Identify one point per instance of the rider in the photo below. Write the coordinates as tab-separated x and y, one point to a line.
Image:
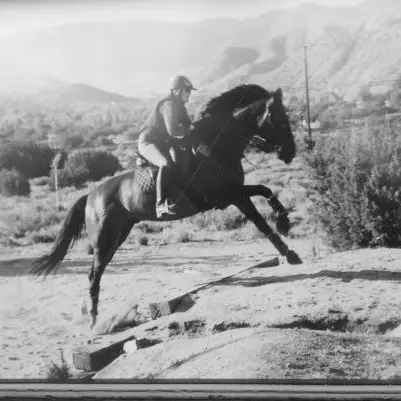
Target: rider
168	120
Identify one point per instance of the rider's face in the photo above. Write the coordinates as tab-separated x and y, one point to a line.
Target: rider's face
185	94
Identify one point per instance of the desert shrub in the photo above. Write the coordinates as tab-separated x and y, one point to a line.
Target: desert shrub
44	238
143	240
219	220
358	177
183	236
102	141
74	175
150	228
67	178
201	221
36	219
99	163
86	165
40	181
59	372
229	219
13	183
31	159
73	141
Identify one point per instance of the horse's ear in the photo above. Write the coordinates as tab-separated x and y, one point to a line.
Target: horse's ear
278	94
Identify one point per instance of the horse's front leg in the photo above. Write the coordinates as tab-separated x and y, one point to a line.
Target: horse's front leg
282	223
246	206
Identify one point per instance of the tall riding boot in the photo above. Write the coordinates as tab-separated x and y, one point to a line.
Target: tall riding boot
163	206
160	194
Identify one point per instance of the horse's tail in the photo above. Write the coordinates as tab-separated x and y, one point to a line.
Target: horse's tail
69	233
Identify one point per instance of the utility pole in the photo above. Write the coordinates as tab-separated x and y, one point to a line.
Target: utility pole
309	141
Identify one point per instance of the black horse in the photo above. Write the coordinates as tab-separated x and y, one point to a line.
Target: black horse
246	116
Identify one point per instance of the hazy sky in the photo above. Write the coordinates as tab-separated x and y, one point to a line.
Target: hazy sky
22	15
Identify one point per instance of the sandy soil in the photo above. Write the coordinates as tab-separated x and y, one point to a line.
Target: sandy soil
355	292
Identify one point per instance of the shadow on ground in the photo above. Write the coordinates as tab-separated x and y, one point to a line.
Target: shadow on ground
345	276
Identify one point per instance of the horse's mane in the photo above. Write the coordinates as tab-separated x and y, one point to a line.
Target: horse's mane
239	96
214	119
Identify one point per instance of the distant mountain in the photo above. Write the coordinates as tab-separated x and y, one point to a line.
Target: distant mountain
80	92
230	59
46	89
351	45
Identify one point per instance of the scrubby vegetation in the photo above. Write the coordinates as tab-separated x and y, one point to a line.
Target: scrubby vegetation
358	177
86	165
37	219
334	112
59	372
12	183
347	188
30	159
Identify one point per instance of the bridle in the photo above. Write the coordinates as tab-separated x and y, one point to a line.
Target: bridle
257	139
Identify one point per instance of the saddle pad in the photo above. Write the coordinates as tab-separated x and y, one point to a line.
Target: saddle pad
145	179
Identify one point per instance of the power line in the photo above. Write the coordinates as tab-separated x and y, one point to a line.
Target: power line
343	85
348	128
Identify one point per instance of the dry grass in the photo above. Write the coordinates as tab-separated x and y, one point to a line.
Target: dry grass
36	219
59	373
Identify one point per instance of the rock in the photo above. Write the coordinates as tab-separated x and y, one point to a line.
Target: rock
295	366
130	346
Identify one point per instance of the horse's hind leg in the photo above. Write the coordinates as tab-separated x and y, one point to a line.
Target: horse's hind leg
114	230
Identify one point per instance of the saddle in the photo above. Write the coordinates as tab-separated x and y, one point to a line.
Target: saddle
187	204
146	172
145	176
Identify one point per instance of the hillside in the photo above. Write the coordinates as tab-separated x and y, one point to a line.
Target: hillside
45	89
350	45
86	93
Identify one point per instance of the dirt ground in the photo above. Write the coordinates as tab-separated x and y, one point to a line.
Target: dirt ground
334	316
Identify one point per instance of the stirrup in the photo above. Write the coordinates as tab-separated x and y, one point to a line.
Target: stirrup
165	208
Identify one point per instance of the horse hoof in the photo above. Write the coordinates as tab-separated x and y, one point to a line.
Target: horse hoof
293	258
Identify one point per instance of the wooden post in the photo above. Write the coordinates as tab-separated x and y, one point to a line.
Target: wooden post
55	164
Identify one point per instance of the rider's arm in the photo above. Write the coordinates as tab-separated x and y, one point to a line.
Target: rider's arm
185	119
170	117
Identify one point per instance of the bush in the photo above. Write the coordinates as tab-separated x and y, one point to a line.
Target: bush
219	220
86	165
143	240
99	163
13	183
59	373
31	159
73	141
358	176
183	236
40	181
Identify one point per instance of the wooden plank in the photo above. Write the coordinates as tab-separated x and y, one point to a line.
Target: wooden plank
95	356
158	309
